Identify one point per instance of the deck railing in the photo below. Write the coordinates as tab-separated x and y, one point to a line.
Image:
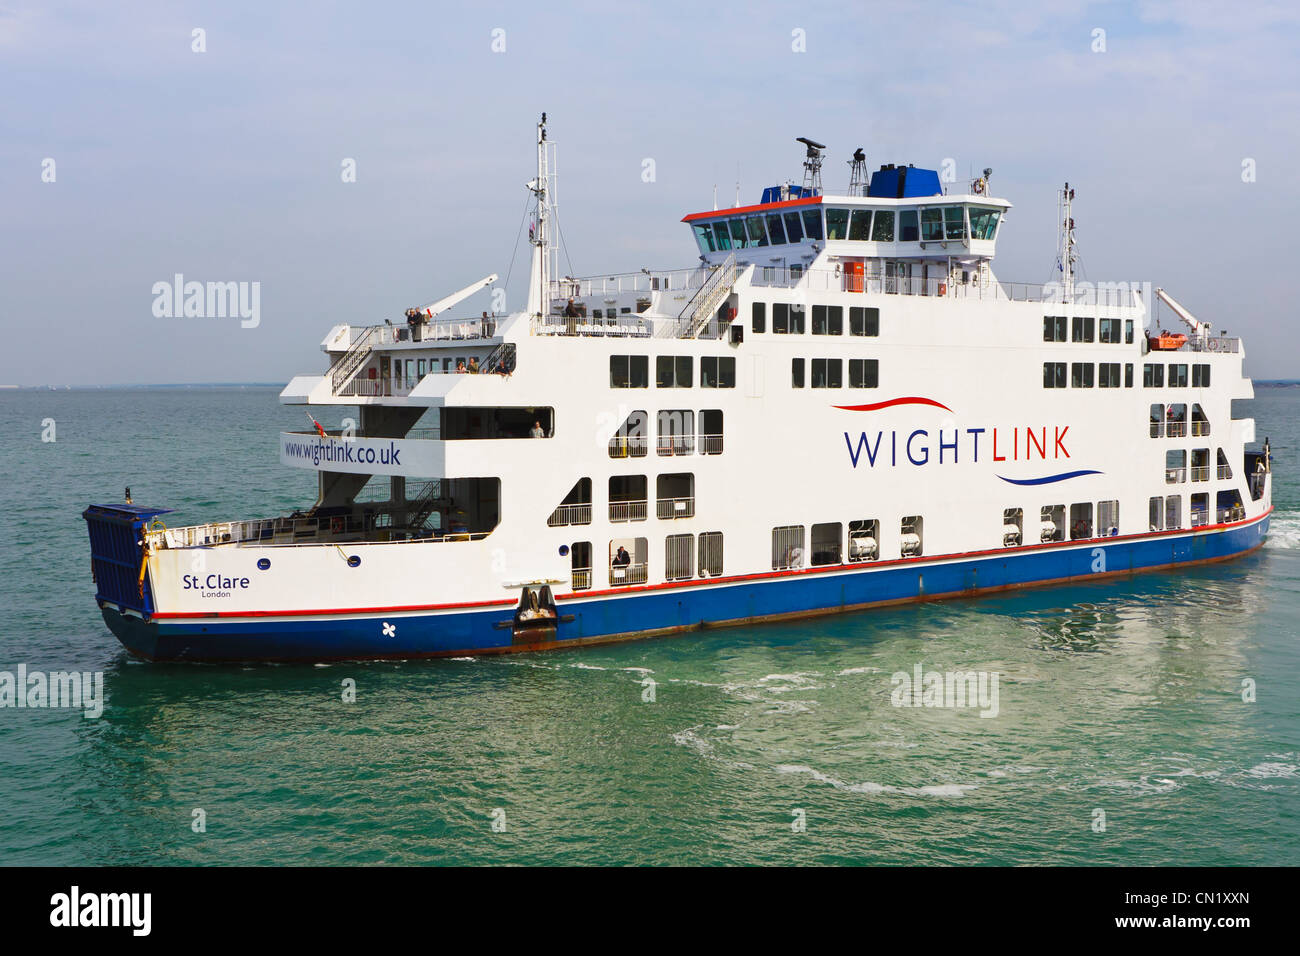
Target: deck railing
580	579
676	508
628	574
676	445
631	446
1225	473
570	514
1200	473
627	510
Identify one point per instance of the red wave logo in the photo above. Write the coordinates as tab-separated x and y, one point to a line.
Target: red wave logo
892	402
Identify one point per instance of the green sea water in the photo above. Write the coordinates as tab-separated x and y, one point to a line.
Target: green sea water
1116	698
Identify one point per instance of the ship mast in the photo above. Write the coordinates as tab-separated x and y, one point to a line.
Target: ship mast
543	267
1067	254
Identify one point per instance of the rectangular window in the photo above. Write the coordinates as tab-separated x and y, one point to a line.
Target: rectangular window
717	371
757	233
826	543
837	223
758	320
1081	520
1175	466
1173	512
1108	375
1178	376
793	227
780	318
1153	376
775	229
787	547
883	228
1081	375
1053	375
674	371
798	316
864	373
812	224
722	235
1128	375
739	239
954	222
931	224
827	320
1053	328
864	539
1200	376
1107	519
1082	329
909	229
1128	331
826	373
629	371
1109	331
860	225
796	372
864	320
710	553
678	553
1156	514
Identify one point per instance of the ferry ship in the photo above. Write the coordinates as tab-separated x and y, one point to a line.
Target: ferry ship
838	406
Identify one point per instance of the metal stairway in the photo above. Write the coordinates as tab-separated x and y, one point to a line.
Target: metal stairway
342	371
704	304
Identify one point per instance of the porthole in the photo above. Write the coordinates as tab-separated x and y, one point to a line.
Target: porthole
564	550
354	561
263	564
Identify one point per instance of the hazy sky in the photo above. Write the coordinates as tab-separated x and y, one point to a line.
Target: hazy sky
225	165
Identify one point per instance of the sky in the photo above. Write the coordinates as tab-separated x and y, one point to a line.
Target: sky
1176	123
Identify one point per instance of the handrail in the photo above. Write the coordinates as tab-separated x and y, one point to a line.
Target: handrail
350	362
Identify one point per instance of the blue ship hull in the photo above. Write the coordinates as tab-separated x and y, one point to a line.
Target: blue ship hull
597	617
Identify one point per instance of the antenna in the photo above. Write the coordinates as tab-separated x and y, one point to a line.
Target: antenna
544	251
858	173
812	166
1067	255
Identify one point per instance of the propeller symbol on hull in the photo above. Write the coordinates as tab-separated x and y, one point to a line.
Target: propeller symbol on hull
389	629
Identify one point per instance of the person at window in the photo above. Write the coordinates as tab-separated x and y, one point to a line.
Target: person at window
536	431
571	310
473	366
460	368
489	327
501	367
621	559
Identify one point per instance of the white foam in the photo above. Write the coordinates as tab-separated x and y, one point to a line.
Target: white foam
932	790
1283	531
1276	770
857	670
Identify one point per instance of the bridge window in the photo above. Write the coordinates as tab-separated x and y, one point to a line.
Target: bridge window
1051	523
812	224
711	431
775	228
983	222
1108	375
954	222
1178	376
739	239
704	237
909	229
1054	328
837	223
793	227
676	432
1200	376
864	373
1081	375
860	225
675	496
931	224
575	508
796	373
910	541
1153	376
826	373
864	320
1053	375
632	438
757	231
758	320
710	554
864	539
826	543
1081	520
827	320
883	228
627	561
674	371
629	371
627	498
1013	523
787	547
1082	328
721	235
717	371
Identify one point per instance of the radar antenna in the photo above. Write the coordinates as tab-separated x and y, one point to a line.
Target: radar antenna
1067	256
812	166
858	173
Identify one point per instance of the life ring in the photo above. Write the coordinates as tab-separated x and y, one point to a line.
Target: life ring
943	288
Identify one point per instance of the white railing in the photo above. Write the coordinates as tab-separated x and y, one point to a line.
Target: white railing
627	510
1199	518
581	579
570	514
1175	429
283	532
1225	473
625	326
628	574
674	280
628	447
676	508
676	445
1200	473
711	444
1175	475
1200	428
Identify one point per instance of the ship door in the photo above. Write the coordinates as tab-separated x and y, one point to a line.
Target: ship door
385	375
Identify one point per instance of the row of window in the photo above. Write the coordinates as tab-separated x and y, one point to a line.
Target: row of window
685	556
1083	328
788	319
676	433
1153	376
1176	471
828	373
1166	513
928	224
672	371
1082	375
1170	421
628	501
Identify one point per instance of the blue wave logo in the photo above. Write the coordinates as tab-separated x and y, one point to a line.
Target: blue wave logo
1049	479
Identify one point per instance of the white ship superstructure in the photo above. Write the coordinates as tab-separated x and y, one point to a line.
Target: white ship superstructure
839	406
